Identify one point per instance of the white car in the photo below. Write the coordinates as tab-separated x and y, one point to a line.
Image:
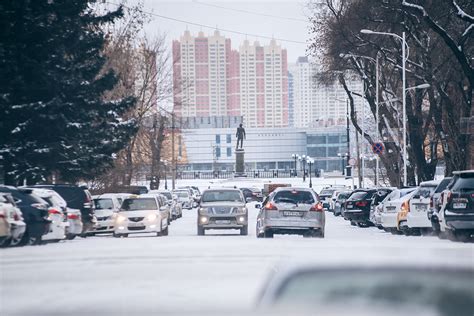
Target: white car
74	219
141	214
12	226
106	207
57	206
417	217
391	205
185	198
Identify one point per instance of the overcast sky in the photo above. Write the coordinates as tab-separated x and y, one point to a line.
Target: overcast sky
286	19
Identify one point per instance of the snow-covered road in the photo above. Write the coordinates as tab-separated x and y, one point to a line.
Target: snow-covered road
182	271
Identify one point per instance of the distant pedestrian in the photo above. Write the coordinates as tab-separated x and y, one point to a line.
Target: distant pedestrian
240	136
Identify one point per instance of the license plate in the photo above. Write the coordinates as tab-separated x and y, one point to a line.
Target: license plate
459	205
421	208
349	206
291	213
222	222
135	224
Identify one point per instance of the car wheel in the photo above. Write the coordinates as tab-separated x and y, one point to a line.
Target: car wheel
319	233
200	231
268	233
435	225
70	236
5	242
116	235
244	231
257	234
165	232
353	223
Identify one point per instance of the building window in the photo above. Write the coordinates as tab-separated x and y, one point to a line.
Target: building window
228	139
229	151
218	139
218	152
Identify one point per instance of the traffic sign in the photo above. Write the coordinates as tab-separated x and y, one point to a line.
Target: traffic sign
378	148
352	161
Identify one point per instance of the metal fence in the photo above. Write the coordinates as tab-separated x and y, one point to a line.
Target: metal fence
230	174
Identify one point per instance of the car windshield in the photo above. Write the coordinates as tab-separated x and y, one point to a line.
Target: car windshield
103	204
139	204
222	196
343	196
182	194
464	183
326	192
295	196
426	191
167	195
359	196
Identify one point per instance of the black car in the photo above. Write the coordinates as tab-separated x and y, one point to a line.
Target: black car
252	194
458	210
76	197
357	207
35	213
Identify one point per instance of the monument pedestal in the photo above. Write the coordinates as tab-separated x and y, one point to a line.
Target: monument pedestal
239	163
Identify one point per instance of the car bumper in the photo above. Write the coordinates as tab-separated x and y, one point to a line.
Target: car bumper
460	222
75	227
418	220
57	231
4	229
357	216
125	229
294	224
389	220
106	226
223	222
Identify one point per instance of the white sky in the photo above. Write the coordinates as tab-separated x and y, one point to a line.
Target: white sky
203	12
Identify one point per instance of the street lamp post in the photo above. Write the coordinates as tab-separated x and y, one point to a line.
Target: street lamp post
404	46
303	161
295	157
310	162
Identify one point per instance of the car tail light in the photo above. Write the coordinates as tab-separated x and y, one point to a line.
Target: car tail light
317	207
270	206
361	203
53	211
2	215
73	216
405	206
449	197
16	217
431	202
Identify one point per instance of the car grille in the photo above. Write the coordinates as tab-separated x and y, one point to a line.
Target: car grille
221	210
136	228
102	218
135	219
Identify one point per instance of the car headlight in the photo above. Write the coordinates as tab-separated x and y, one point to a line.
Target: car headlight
204	220
202	210
151	217
240	210
121	218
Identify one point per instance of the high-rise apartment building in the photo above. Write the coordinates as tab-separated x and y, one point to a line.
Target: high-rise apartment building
316	103
212	80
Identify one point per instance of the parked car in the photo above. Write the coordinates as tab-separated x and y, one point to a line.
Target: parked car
15	226
75	226
435	205
397	200
185	198
377	204
222	209
176	208
366	288
340	202
252	194
106	207
57	215
456	216
357	207
328	197
291	211
77	198
416	220
34	211
141	214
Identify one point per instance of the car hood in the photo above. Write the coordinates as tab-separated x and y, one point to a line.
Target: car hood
141	213
103	213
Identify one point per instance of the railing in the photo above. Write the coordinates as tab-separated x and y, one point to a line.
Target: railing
230	174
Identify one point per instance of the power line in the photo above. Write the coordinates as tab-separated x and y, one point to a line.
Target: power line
210	27
250	12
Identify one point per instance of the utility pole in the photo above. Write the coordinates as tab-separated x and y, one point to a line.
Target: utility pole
173	159
348	173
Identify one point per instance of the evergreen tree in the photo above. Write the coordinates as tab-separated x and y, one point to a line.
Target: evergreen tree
54	118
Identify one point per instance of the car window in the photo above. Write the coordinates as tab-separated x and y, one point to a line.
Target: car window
167	195
103	204
358	196
219	196
294	196
139	204
425	191
444	183
464	183
182	194
326	192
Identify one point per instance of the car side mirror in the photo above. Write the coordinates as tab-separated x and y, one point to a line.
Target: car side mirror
258	206
247	200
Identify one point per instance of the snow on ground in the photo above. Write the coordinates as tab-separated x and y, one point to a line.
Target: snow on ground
183	271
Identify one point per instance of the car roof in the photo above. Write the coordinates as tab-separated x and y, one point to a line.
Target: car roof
463	172
223	189
432	183
279	189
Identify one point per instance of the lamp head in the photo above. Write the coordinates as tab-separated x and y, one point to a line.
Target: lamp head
365	31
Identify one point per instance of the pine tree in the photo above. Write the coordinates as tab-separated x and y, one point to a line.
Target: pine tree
53	116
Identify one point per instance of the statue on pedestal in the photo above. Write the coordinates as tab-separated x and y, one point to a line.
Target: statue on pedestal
240	136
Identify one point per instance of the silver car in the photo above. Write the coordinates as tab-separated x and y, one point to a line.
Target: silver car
291	211
222	209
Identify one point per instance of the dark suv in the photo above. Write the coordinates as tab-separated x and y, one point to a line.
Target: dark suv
252	194
77	198
357	207
35	213
456	217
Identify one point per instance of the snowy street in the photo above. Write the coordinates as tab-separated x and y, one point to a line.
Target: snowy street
184	271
